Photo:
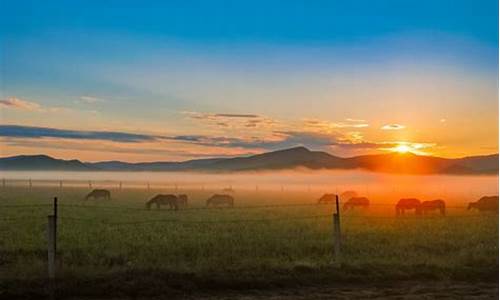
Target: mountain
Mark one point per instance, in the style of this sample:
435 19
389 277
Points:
42 162
298 157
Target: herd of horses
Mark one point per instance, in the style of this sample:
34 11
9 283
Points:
350 199
173 202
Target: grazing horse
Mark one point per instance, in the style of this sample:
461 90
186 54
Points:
218 200
405 204
96 194
182 200
486 203
356 202
345 196
228 190
161 199
428 206
327 198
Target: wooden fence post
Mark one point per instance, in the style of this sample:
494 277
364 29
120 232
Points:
120 186
30 184
90 184
336 230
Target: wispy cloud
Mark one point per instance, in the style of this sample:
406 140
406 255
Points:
393 127
328 126
22 104
16 103
90 99
247 116
41 132
232 120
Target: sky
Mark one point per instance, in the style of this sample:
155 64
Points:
179 80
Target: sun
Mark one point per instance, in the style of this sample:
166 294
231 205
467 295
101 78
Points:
402 149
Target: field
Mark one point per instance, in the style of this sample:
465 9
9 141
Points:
270 240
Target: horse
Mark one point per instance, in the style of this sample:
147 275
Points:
427 206
327 198
406 203
486 203
220 199
182 200
356 202
162 199
345 196
97 193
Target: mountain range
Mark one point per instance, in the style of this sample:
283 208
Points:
298 157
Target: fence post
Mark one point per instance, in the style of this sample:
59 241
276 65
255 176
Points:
3 182
90 184
30 184
336 230
120 185
51 240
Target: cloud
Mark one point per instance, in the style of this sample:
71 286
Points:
236 116
16 103
393 127
234 121
328 126
41 132
90 99
355 120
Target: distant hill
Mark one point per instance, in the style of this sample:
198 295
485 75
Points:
298 157
42 162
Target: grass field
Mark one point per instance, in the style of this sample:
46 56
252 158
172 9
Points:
117 245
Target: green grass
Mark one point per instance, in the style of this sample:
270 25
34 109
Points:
205 247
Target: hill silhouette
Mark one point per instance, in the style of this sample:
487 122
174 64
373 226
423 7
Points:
298 157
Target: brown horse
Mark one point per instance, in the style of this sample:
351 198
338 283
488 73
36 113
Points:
220 200
345 196
327 198
182 200
428 206
161 199
356 202
486 203
405 204
97 193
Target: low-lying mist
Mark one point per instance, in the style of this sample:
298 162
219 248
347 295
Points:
376 186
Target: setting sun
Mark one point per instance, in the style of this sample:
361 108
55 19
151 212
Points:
402 149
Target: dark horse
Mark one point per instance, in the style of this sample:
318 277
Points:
405 204
218 200
428 206
182 200
96 194
357 202
486 203
160 199
327 198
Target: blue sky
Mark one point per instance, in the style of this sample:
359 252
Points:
169 68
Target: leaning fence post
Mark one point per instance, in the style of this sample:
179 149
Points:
336 230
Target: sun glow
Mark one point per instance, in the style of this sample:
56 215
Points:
402 149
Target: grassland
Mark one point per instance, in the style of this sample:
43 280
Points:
117 248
